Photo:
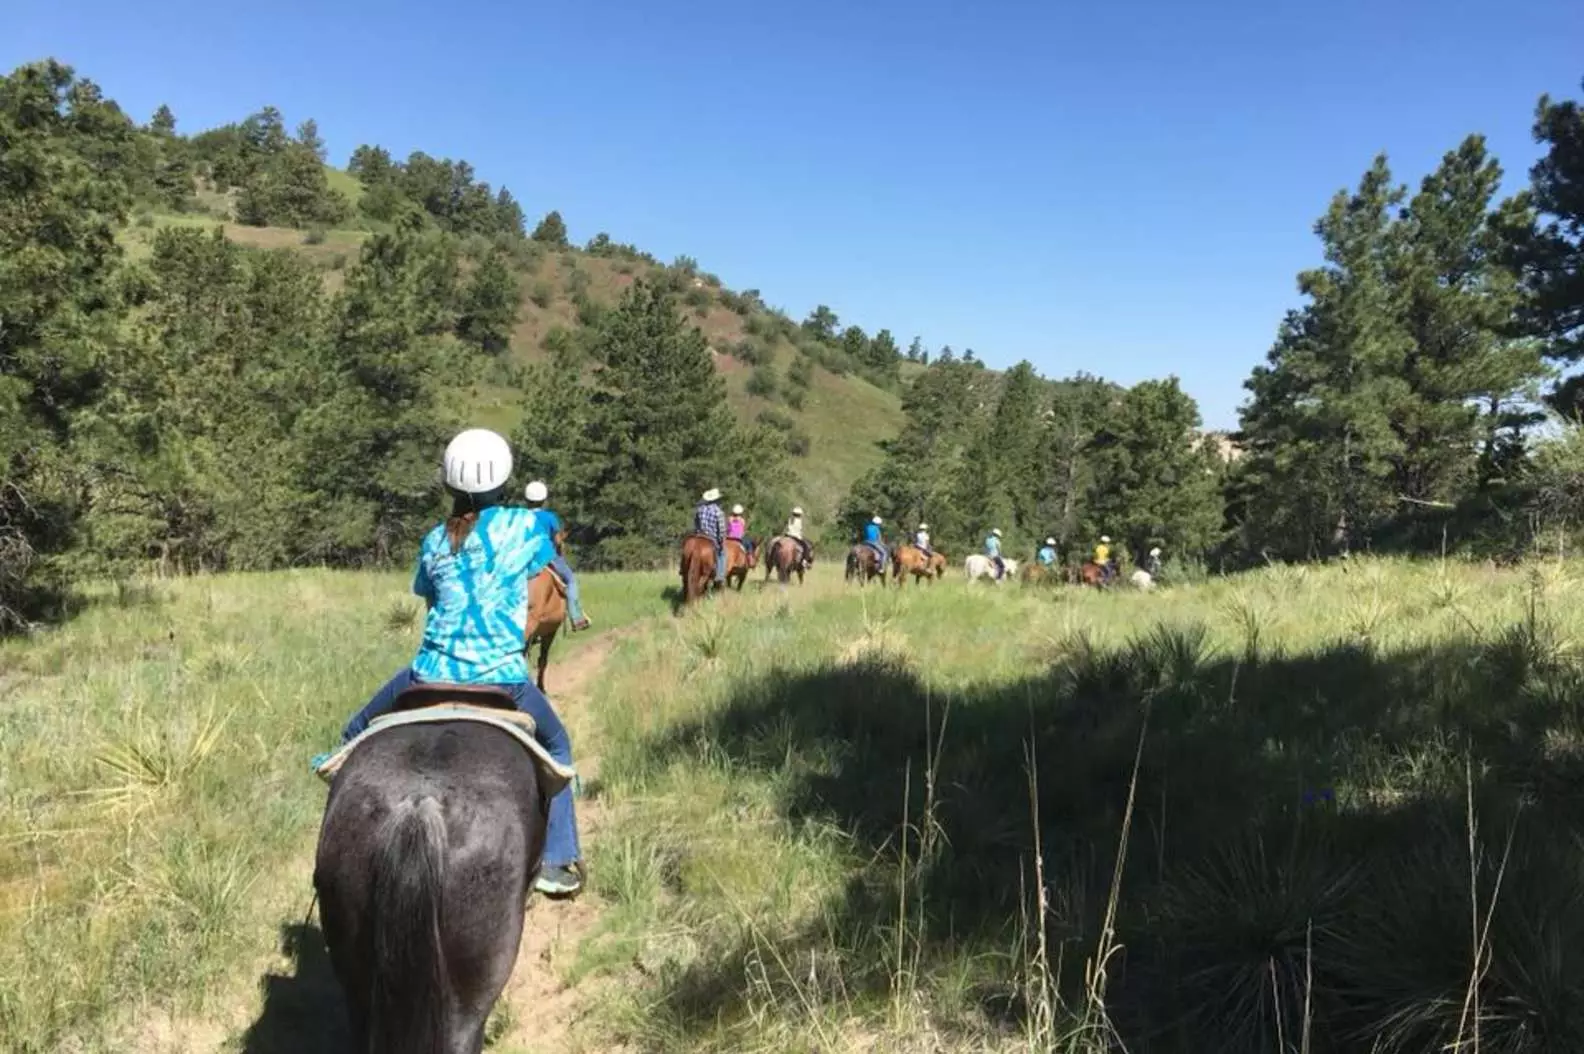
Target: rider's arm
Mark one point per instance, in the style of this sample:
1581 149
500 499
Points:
422 584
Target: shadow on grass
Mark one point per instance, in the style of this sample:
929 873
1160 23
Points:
303 1012
1299 830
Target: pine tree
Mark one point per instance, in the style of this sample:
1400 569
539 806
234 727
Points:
551 231
59 319
1551 251
1320 425
308 138
489 305
163 123
366 456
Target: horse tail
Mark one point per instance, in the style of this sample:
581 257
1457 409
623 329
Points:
411 1006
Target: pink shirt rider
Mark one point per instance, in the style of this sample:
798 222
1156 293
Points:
736 527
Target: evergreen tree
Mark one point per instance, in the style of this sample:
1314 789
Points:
163 123
1153 482
1319 429
654 433
489 305
551 231
59 315
366 455
308 138
821 324
1551 251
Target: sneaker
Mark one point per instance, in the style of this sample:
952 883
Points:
580 624
317 762
559 881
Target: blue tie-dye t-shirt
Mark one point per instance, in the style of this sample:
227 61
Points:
478 598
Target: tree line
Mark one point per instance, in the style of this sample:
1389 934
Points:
214 407
1037 458
1397 409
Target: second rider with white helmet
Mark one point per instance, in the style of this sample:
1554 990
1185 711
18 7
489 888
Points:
537 494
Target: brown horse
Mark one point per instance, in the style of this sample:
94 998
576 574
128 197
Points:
739 561
698 566
1092 574
910 560
863 563
546 613
784 556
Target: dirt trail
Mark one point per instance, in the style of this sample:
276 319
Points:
295 1006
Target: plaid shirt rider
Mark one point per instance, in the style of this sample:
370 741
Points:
708 521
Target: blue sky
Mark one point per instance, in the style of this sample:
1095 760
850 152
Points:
1127 189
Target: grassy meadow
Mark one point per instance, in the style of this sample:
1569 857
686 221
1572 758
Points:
1300 809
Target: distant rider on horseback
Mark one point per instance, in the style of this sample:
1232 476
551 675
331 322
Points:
993 551
537 494
1102 558
874 541
708 521
737 527
1153 564
1047 553
921 540
473 574
794 531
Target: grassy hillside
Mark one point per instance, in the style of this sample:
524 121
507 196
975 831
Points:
844 417
832 820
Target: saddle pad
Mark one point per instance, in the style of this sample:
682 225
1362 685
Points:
553 776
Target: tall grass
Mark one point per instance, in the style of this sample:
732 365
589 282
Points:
1298 810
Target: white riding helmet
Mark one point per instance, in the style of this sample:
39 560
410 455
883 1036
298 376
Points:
712 495
477 461
876 521
737 510
797 510
536 491
996 532
1105 539
1155 551
923 527
1050 541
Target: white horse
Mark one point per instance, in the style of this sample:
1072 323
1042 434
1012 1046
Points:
978 566
1141 580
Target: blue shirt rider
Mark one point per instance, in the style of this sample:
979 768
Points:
874 541
709 521
473 574
546 519
921 539
1047 554
993 551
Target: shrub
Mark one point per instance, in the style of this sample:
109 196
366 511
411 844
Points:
751 351
763 382
316 235
541 293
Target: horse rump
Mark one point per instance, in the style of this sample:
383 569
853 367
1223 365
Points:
431 835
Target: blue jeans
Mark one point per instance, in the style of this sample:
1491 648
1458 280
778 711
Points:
574 598
880 549
561 837
720 561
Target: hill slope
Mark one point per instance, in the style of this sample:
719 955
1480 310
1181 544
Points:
834 434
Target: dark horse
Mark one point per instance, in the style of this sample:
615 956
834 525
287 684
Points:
446 814
863 563
785 556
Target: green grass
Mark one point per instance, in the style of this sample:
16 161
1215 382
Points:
346 183
155 779
1300 809
826 834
